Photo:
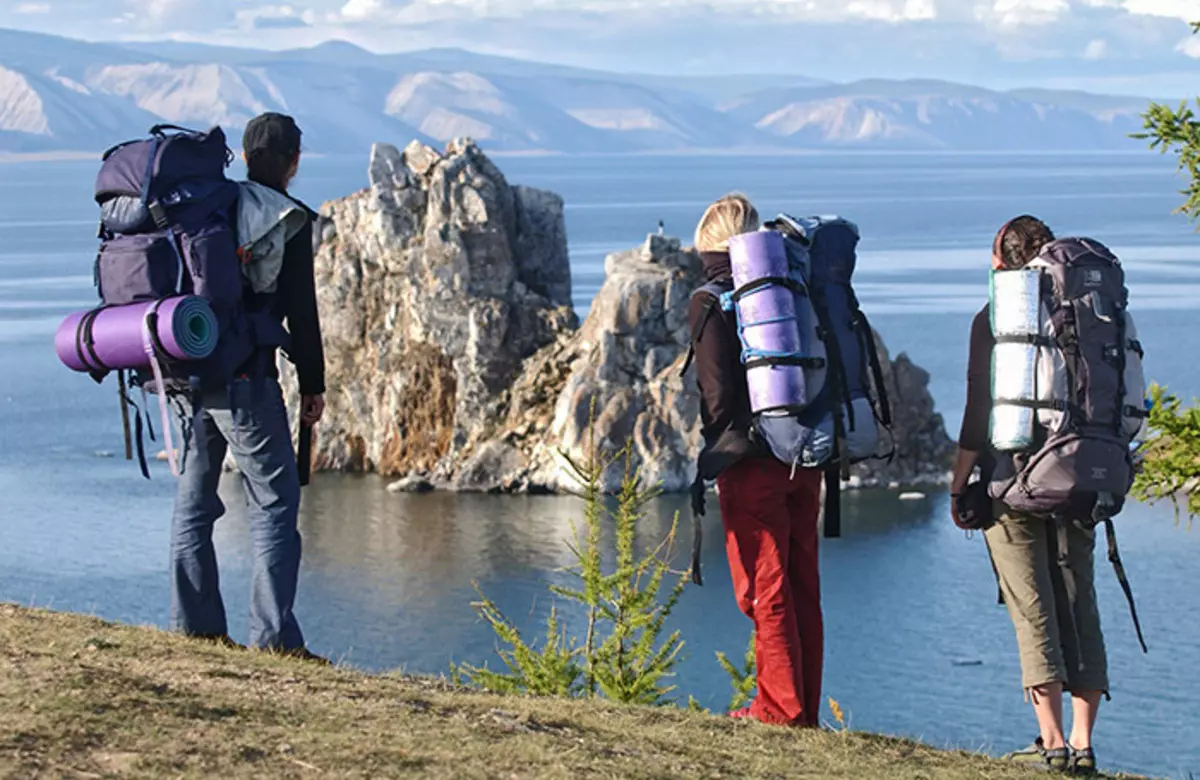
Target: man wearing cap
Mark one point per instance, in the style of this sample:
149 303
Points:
247 418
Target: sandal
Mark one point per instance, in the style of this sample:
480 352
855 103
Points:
1058 760
1083 762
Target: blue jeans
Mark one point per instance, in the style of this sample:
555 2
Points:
249 420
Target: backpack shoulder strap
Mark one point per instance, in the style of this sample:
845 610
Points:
711 292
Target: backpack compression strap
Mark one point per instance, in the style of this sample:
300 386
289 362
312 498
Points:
866 340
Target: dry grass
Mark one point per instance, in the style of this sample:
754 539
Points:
83 698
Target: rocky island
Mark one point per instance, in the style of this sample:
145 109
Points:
455 360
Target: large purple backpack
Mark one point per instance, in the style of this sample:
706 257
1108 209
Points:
168 220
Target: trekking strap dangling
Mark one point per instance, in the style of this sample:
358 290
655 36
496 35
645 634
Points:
149 324
185 415
1114 557
880 404
146 409
833 503
138 436
697 527
123 396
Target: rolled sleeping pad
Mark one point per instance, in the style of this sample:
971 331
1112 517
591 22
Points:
767 316
1015 312
111 338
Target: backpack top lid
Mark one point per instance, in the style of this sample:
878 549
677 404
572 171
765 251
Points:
1079 267
151 167
831 242
1064 251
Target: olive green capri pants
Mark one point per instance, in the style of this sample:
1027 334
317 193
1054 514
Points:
1054 612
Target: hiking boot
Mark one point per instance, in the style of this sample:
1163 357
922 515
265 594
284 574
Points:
1083 762
1058 760
306 655
224 640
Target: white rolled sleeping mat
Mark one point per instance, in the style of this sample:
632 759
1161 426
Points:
1028 369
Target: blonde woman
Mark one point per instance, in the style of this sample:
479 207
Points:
770 516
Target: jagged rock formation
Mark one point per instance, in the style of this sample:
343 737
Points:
454 358
435 285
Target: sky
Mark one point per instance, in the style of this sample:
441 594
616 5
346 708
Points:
1141 47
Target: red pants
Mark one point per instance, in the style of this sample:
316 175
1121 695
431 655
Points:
771 539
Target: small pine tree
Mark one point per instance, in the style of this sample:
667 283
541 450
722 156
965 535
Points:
743 679
626 655
629 661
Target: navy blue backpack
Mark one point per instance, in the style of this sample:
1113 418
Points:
168 223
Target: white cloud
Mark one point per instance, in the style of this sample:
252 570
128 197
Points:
1023 13
1190 46
1187 10
273 17
888 11
426 11
1096 49
33 9
365 10
164 13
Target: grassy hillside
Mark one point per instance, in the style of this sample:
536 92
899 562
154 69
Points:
84 698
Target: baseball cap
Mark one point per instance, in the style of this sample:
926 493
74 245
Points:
271 132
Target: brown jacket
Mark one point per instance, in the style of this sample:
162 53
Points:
724 397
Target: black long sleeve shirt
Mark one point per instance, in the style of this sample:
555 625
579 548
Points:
296 304
974 435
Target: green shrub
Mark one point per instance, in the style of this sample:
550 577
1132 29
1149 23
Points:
1171 455
626 655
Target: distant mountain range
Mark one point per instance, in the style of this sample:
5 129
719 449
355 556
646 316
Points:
58 94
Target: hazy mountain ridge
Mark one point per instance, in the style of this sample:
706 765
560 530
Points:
58 94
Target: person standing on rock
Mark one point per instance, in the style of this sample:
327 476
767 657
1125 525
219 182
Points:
1056 617
770 515
247 418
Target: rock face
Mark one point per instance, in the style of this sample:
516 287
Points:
434 286
455 360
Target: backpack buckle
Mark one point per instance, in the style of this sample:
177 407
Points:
158 214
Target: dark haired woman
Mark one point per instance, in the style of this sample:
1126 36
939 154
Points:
1058 632
248 419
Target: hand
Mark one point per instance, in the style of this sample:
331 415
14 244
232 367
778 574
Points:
954 510
312 408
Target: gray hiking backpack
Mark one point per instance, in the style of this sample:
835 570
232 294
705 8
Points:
1067 382
1068 391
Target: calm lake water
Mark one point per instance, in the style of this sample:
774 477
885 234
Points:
916 644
